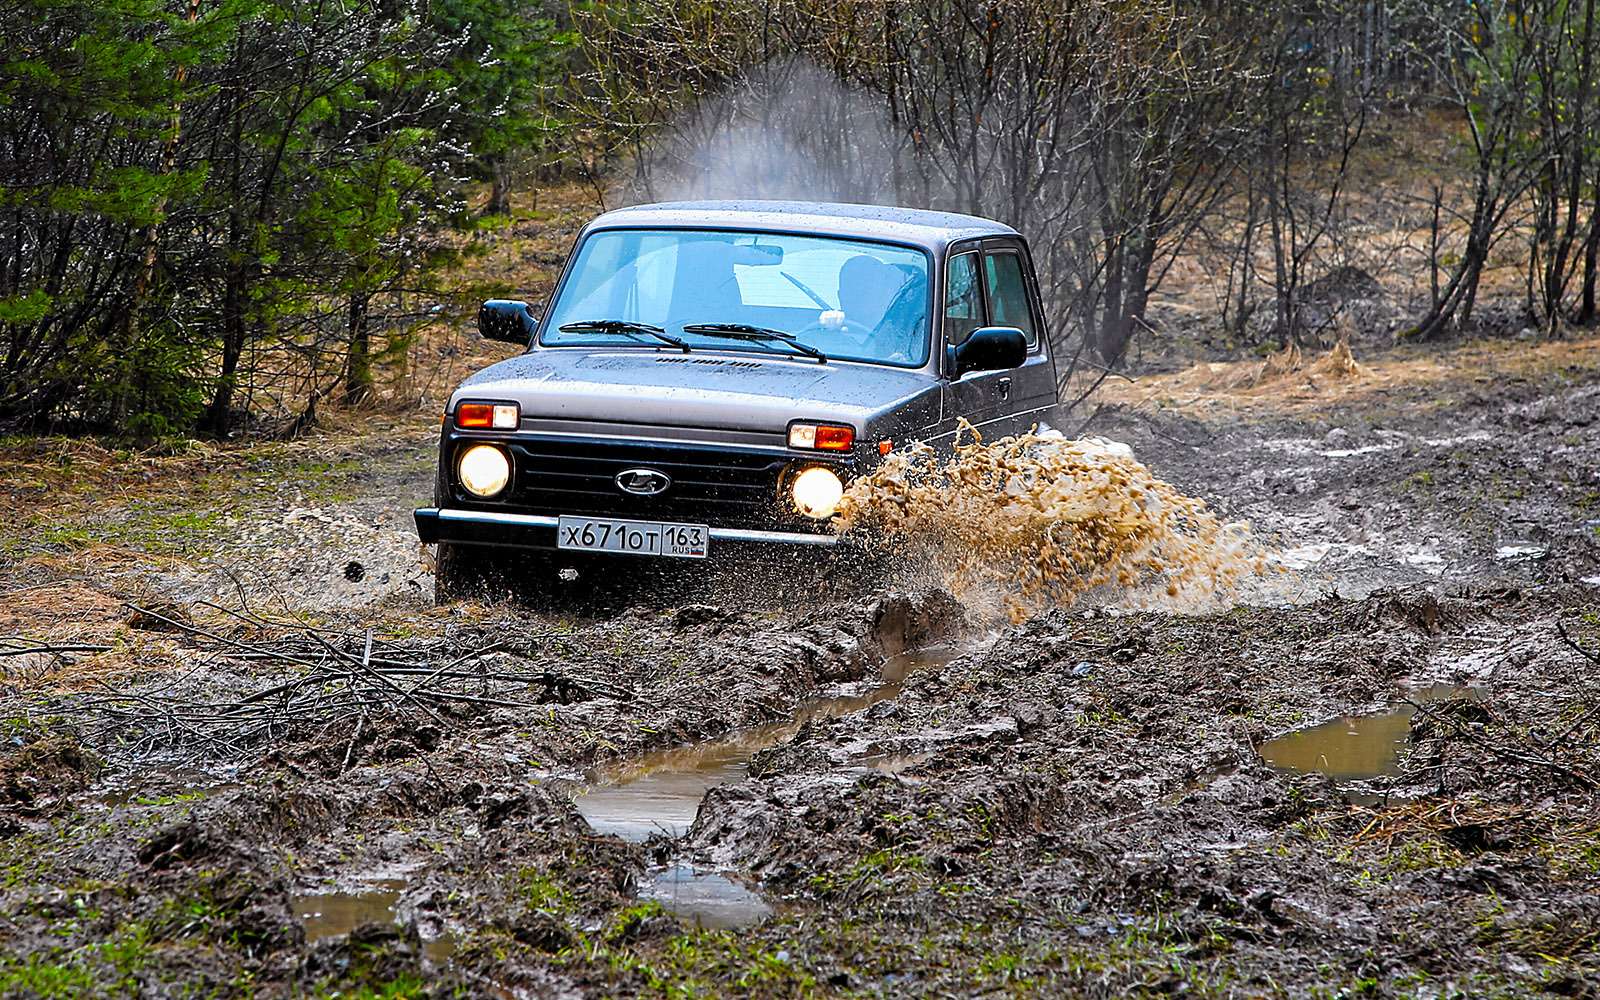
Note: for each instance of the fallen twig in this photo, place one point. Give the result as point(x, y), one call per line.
point(1505, 753)
point(58, 648)
point(336, 675)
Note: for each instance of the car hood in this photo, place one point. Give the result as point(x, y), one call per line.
point(704, 389)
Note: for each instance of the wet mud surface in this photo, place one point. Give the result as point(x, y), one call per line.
point(1376, 775)
point(1422, 468)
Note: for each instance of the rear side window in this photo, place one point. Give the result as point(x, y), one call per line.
point(963, 299)
point(1009, 303)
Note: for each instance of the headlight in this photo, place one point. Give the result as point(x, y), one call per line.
point(484, 470)
point(817, 492)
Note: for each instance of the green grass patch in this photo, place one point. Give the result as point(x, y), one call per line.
point(872, 871)
point(703, 963)
point(541, 892)
point(106, 968)
point(404, 987)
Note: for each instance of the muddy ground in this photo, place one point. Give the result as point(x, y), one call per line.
point(853, 788)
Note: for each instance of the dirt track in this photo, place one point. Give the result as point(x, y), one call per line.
point(1078, 804)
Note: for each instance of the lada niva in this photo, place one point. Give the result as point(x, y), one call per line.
point(710, 375)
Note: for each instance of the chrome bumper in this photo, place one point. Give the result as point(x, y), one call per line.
point(538, 531)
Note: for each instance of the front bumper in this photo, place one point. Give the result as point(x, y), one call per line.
point(538, 531)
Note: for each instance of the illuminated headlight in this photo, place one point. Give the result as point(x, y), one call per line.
point(817, 492)
point(484, 470)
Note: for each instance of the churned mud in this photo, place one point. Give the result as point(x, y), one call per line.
point(1370, 768)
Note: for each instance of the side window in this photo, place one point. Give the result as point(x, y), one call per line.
point(1008, 293)
point(963, 300)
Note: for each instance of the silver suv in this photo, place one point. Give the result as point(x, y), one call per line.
point(710, 375)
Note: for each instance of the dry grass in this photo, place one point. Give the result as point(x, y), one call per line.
point(64, 613)
point(1290, 385)
point(63, 610)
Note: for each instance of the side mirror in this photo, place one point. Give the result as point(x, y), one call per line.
point(507, 320)
point(990, 349)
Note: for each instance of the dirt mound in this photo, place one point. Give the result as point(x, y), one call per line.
point(36, 778)
point(1340, 285)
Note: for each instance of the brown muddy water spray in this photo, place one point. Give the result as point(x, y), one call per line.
point(1030, 522)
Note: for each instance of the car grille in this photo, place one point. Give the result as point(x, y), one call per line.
point(723, 487)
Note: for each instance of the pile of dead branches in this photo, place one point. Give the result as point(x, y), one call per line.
point(336, 675)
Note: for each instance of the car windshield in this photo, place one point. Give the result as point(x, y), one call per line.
point(836, 298)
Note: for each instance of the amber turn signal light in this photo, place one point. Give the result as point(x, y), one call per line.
point(822, 437)
point(488, 416)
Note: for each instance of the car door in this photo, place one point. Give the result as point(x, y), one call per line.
point(991, 285)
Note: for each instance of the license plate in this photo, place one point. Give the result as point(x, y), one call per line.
point(634, 538)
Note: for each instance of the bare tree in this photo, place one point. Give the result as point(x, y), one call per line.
point(1105, 146)
point(1486, 70)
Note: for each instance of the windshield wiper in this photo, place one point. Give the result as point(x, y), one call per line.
point(626, 327)
point(744, 331)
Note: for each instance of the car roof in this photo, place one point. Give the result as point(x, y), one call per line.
point(932, 230)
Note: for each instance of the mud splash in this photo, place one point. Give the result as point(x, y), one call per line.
point(1040, 520)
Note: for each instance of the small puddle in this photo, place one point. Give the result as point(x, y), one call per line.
point(708, 899)
point(328, 914)
point(331, 914)
point(1355, 747)
point(163, 787)
point(661, 792)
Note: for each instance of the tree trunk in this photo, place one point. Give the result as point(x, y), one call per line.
point(1454, 306)
point(499, 188)
point(358, 370)
point(1112, 338)
point(219, 416)
point(1591, 262)
point(151, 237)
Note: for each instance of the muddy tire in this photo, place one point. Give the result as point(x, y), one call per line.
point(477, 571)
point(460, 572)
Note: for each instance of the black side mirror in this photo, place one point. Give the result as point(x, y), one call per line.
point(507, 320)
point(990, 349)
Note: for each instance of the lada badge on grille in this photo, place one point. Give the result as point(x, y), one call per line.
point(643, 482)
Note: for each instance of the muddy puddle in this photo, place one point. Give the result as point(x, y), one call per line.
point(661, 792)
point(1356, 748)
point(712, 900)
point(338, 912)
point(164, 786)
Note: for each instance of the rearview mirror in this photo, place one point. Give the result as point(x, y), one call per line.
point(757, 254)
point(990, 349)
point(507, 320)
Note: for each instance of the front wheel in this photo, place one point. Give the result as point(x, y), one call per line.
point(460, 572)
point(475, 571)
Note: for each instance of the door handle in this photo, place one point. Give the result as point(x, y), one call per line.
point(1005, 388)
